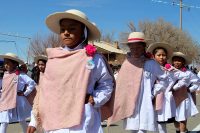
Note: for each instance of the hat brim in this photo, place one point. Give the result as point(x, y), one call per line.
point(161, 45)
point(40, 57)
point(12, 58)
point(135, 41)
point(187, 60)
point(53, 23)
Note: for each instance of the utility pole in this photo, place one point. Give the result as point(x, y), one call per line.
point(181, 7)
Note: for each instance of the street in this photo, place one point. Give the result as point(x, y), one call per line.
point(193, 125)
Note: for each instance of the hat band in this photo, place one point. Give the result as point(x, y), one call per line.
point(135, 39)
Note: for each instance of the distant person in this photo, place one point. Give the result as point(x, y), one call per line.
point(134, 88)
point(41, 61)
point(14, 107)
point(76, 83)
point(24, 68)
point(185, 106)
point(164, 103)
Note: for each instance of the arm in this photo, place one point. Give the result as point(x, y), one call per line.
point(182, 80)
point(104, 84)
point(157, 74)
point(194, 82)
point(30, 84)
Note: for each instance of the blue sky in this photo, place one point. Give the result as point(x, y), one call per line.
point(27, 17)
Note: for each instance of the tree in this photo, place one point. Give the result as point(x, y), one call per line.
point(39, 44)
point(161, 31)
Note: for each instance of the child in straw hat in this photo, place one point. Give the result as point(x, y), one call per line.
point(76, 83)
point(14, 107)
point(164, 102)
point(185, 106)
point(134, 88)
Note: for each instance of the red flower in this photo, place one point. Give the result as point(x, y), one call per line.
point(183, 69)
point(17, 72)
point(90, 50)
point(167, 66)
point(148, 55)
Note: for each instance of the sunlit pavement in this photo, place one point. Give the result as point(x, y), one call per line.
point(193, 125)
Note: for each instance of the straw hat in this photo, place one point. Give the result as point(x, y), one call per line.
point(40, 57)
point(166, 46)
point(12, 56)
point(53, 22)
point(135, 37)
point(180, 54)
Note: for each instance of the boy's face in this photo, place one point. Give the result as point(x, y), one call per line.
point(178, 62)
point(137, 49)
point(71, 32)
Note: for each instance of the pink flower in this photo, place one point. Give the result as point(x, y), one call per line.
point(167, 66)
point(148, 55)
point(183, 69)
point(17, 72)
point(90, 50)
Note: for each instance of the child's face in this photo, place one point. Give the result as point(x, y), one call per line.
point(9, 65)
point(71, 32)
point(41, 65)
point(137, 49)
point(160, 56)
point(178, 62)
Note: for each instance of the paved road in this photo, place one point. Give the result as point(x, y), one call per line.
point(193, 125)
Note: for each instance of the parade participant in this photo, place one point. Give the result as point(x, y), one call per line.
point(134, 88)
point(40, 67)
point(164, 102)
point(14, 107)
point(76, 82)
point(185, 106)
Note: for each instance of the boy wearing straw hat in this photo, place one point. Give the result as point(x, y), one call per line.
point(134, 88)
point(71, 94)
point(14, 106)
point(185, 106)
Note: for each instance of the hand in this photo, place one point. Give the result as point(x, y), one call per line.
point(31, 129)
point(91, 100)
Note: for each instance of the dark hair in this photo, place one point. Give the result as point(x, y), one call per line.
point(14, 62)
point(83, 25)
point(45, 61)
point(180, 58)
point(158, 48)
point(141, 43)
point(35, 74)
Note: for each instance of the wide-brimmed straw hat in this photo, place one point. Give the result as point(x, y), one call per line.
point(135, 37)
point(166, 46)
point(53, 22)
point(185, 57)
point(40, 57)
point(12, 56)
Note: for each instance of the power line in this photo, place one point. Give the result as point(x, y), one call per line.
point(18, 36)
point(181, 6)
point(175, 3)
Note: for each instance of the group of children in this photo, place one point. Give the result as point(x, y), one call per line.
point(77, 90)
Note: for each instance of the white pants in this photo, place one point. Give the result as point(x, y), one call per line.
point(162, 128)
